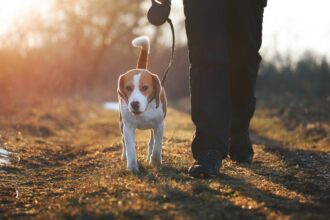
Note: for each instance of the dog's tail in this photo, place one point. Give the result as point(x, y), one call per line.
point(144, 44)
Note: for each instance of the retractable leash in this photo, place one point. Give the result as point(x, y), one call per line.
point(157, 15)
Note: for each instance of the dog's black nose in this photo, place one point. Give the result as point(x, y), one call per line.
point(135, 105)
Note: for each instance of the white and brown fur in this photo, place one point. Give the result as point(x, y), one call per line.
point(143, 105)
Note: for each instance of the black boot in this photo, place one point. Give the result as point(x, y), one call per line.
point(206, 166)
point(240, 148)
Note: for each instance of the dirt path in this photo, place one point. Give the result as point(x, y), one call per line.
point(66, 165)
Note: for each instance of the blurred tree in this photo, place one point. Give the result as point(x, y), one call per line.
point(64, 50)
point(309, 78)
point(95, 26)
point(83, 45)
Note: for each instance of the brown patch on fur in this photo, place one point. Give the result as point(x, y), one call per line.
point(156, 88)
point(143, 60)
point(163, 100)
point(125, 81)
point(146, 82)
point(149, 86)
point(152, 83)
point(158, 92)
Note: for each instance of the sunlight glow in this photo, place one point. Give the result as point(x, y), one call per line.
point(12, 11)
point(290, 27)
point(295, 26)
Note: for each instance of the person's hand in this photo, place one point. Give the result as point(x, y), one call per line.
point(159, 12)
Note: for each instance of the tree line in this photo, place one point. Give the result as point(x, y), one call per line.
point(84, 45)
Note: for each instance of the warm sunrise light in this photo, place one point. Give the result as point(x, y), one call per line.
point(79, 141)
point(12, 11)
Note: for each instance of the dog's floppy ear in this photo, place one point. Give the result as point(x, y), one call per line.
point(156, 88)
point(120, 90)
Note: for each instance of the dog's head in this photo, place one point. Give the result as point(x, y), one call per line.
point(138, 87)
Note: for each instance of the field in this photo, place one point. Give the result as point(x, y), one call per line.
point(65, 164)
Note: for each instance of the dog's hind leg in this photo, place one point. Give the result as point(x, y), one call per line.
point(151, 145)
point(121, 124)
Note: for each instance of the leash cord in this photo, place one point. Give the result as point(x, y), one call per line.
point(169, 21)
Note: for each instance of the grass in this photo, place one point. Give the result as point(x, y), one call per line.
point(66, 165)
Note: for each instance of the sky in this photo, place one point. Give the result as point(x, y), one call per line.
point(290, 27)
point(294, 26)
point(12, 11)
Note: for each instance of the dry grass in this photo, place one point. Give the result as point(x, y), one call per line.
point(66, 165)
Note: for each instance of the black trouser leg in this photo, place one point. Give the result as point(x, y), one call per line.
point(224, 37)
point(209, 77)
point(245, 30)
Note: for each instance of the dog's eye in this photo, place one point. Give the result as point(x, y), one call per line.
point(144, 88)
point(128, 88)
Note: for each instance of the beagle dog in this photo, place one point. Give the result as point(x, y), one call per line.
point(142, 102)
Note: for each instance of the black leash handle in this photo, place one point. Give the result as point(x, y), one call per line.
point(169, 21)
